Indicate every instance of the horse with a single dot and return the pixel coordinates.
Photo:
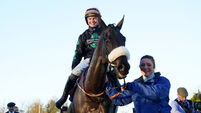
(110, 51)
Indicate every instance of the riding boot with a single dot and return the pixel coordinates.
(69, 85)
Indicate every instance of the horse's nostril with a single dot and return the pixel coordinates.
(121, 68)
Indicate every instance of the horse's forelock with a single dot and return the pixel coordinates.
(111, 25)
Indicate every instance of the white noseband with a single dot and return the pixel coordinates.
(117, 52)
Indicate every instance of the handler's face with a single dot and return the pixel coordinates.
(146, 67)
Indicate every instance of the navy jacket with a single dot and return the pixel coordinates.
(148, 97)
(14, 112)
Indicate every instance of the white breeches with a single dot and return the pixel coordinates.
(80, 67)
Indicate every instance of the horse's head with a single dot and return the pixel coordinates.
(114, 41)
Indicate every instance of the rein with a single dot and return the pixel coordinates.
(110, 63)
(82, 88)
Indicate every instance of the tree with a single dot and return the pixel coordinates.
(50, 107)
(196, 99)
(36, 107)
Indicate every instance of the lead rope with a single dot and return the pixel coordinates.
(124, 83)
(115, 95)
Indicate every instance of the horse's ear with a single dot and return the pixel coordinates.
(119, 25)
(102, 23)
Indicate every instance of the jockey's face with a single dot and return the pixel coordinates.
(92, 21)
(146, 67)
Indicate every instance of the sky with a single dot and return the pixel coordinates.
(38, 38)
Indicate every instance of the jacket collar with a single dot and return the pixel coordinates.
(94, 29)
(149, 77)
(157, 75)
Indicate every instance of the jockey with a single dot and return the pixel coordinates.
(85, 47)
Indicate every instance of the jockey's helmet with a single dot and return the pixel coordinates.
(92, 12)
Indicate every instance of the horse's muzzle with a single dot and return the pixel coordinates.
(123, 70)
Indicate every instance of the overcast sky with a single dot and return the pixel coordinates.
(38, 38)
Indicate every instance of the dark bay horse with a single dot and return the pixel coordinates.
(90, 97)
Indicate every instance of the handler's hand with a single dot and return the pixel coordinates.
(123, 87)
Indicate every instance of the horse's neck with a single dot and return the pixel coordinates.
(97, 70)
